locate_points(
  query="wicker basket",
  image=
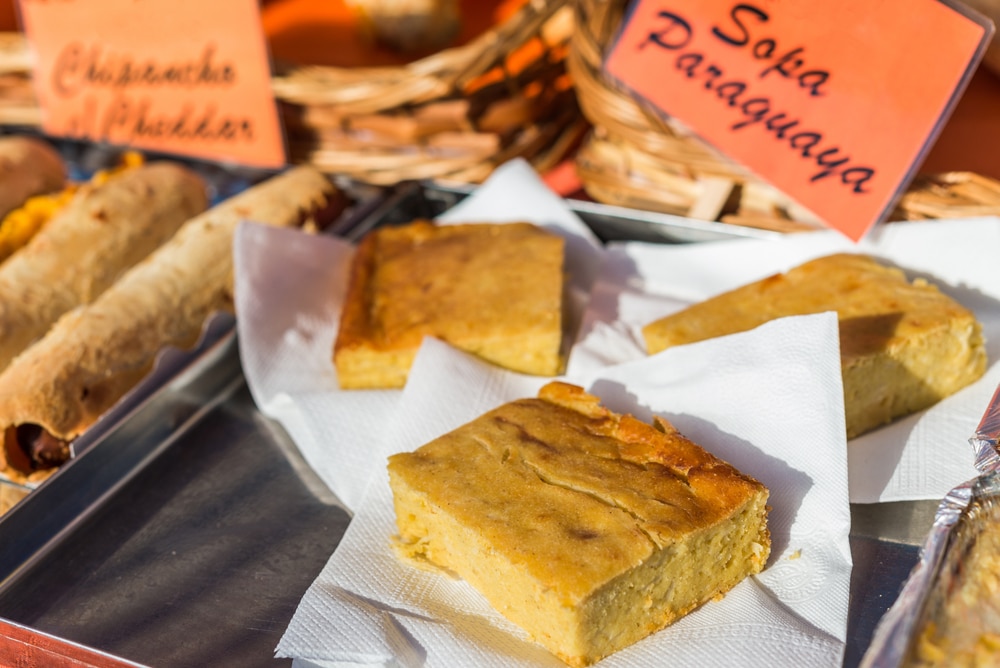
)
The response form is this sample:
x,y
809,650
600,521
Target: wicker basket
x,y
453,115
950,195
637,158
17,98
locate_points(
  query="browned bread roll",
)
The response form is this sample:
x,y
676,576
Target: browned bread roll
x,y
88,244
904,345
94,354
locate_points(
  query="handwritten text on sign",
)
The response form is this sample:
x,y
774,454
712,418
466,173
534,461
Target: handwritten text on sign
x,y
834,103
179,76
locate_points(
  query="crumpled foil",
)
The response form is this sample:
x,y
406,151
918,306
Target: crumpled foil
x,y
960,519
987,435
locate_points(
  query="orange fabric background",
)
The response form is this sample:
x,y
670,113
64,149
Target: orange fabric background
x,y
971,139
8,18
300,30
324,32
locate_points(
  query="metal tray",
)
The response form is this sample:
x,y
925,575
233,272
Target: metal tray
x,y
187,534
183,536
187,527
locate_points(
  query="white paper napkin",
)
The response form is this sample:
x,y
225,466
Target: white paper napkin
x,y
774,411
289,290
918,457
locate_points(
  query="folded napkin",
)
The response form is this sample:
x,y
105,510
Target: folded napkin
x,y
921,456
769,402
289,290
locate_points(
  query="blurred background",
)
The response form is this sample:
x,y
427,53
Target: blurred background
x,y
302,32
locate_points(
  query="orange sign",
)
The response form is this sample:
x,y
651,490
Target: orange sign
x,y
835,103
187,77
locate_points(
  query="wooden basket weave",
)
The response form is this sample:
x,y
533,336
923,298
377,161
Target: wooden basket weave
x,y
950,195
635,157
453,115
17,98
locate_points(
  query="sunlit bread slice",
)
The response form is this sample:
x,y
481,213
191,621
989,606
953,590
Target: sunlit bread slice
x,y
903,345
587,528
494,290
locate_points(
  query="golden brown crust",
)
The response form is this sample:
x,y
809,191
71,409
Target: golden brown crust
x,y
356,326
95,354
83,249
28,167
904,345
494,290
588,528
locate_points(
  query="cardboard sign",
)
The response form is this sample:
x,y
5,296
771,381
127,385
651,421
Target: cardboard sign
x,y
189,77
835,103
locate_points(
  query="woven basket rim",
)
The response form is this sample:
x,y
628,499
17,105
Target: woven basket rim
x,y
15,54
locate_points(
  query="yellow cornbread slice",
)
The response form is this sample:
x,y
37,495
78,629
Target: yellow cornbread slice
x,y
494,290
960,623
903,346
587,528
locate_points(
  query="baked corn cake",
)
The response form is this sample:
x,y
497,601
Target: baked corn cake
x,y
494,290
960,623
903,345
588,529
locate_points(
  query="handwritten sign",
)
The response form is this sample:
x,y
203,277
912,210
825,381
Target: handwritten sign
x,y
835,103
187,77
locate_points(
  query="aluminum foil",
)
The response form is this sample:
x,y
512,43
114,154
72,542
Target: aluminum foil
x,y
987,436
960,519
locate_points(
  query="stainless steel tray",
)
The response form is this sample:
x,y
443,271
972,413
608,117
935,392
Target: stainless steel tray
x,y
188,532
183,536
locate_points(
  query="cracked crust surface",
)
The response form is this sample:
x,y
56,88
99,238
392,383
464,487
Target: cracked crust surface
x,y
587,528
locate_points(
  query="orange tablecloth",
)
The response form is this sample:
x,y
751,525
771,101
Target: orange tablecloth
x,y
970,141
